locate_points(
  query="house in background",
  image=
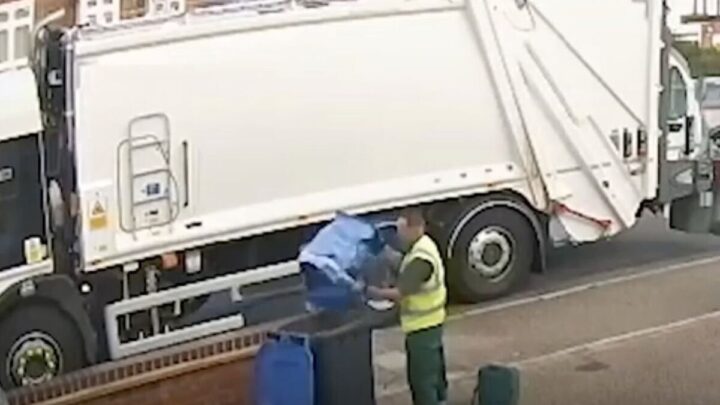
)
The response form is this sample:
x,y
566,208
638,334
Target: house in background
x,y
109,12
696,21
18,17
710,36
681,30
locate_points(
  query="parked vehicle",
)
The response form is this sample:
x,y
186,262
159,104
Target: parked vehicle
x,y
685,129
711,103
169,165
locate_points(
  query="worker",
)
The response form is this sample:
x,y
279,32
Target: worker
x,y
421,294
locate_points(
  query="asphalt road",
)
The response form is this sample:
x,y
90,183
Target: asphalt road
x,y
649,245
629,321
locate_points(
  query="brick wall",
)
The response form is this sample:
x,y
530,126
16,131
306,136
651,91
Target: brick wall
x,y
217,370
223,384
709,35
45,7
132,8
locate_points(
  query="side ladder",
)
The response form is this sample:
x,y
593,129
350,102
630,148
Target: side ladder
x,y
149,181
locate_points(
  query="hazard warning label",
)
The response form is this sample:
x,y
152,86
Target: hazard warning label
x,y
98,215
97,209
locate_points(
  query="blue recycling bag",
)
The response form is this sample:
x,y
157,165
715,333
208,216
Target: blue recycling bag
x,y
335,258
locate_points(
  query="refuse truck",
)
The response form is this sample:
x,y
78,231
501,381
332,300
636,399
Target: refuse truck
x,y
150,167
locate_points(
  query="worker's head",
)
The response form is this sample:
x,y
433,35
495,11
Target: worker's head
x,y
410,226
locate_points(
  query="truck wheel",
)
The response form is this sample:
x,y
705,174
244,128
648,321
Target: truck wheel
x,y
36,344
492,254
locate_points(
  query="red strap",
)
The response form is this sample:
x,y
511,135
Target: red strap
x,y
605,224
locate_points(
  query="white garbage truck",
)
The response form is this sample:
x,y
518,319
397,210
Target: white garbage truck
x,y
157,177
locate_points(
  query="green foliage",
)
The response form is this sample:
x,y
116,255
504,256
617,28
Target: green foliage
x,y
703,61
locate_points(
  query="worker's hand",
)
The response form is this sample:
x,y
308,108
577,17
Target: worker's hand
x,y
372,291
384,293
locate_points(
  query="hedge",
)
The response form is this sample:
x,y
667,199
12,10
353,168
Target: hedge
x,y
703,61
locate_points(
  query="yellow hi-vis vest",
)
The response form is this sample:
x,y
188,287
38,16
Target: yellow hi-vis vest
x,y
426,308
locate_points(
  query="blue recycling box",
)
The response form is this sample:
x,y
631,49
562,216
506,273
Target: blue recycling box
x,y
318,359
284,372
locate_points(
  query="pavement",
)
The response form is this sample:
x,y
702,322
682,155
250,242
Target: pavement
x,y
630,321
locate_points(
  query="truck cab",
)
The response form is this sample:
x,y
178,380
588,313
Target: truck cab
x,y
684,115
24,234
30,354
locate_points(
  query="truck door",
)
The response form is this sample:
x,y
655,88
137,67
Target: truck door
x,y
684,112
21,198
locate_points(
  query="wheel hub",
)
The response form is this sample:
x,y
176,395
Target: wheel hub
x,y
34,358
490,253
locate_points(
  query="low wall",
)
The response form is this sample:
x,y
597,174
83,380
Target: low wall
x,y
217,370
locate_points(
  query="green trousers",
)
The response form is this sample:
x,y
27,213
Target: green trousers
x,y
426,366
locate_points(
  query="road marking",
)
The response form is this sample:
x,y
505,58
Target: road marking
x,y
584,347
617,339
597,344
584,287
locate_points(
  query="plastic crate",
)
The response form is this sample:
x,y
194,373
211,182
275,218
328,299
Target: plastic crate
x,y
284,372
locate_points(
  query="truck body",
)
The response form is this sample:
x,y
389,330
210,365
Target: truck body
x,y
181,162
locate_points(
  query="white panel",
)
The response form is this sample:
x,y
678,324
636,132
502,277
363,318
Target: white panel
x,y
20,112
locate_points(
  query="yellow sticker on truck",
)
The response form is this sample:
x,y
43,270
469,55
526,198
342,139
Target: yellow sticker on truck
x,y
98,216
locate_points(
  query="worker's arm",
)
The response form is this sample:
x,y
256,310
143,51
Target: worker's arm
x,y
409,282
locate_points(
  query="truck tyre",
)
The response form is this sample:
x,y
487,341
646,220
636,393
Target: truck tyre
x,y
36,344
492,254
